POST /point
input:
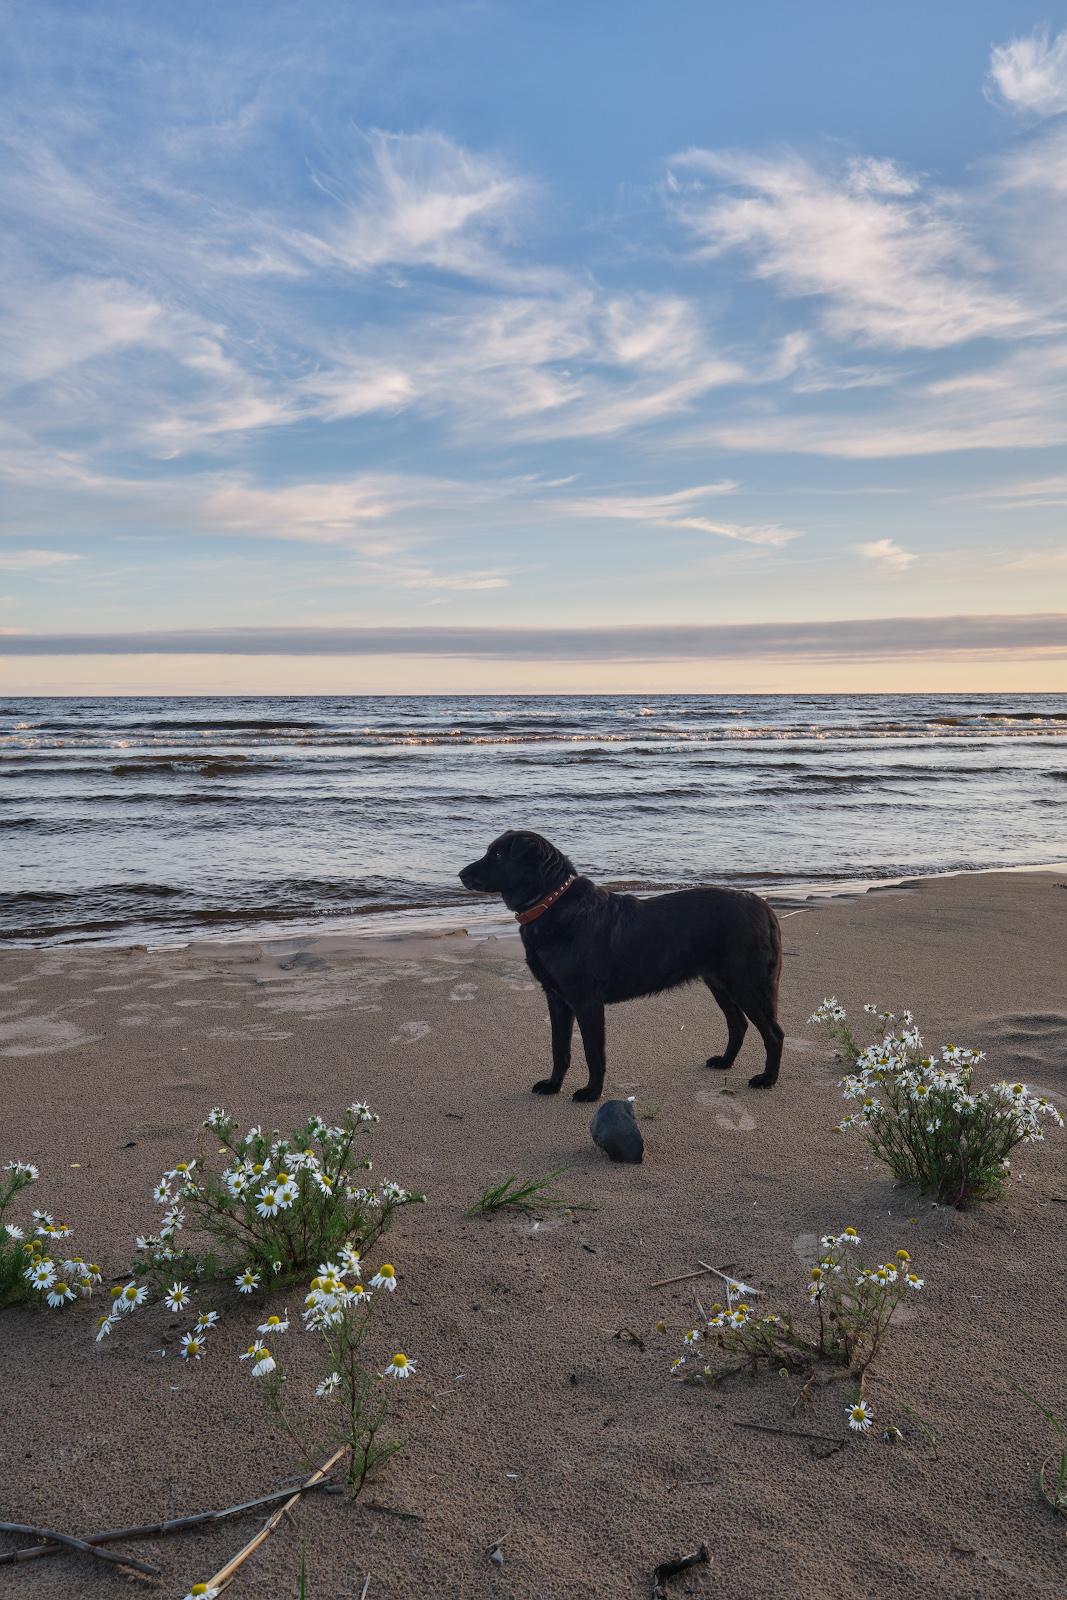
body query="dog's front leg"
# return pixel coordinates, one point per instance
(562, 1031)
(591, 1024)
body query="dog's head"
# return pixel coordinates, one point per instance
(520, 866)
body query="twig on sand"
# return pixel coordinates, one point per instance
(67, 1541)
(721, 1272)
(629, 1335)
(220, 1579)
(789, 1433)
(671, 1569)
(683, 1277)
(155, 1530)
(363, 1593)
(391, 1511)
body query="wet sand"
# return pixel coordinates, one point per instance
(528, 1417)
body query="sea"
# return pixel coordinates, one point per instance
(161, 820)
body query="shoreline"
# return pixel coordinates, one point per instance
(493, 921)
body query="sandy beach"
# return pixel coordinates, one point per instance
(528, 1417)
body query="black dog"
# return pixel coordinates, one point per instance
(589, 948)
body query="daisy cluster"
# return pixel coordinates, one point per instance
(275, 1204)
(922, 1114)
(36, 1262)
(849, 1309)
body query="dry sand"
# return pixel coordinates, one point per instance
(528, 1418)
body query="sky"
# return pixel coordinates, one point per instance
(516, 347)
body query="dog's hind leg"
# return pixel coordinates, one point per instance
(763, 1017)
(562, 1032)
(591, 1024)
(735, 1022)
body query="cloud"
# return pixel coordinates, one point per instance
(675, 510)
(1029, 75)
(868, 639)
(886, 555)
(1018, 403)
(416, 200)
(34, 560)
(892, 266)
(1049, 491)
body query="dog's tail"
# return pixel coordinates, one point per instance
(774, 954)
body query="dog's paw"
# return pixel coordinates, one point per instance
(545, 1086)
(718, 1063)
(588, 1093)
(762, 1081)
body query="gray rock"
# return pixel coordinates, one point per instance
(615, 1130)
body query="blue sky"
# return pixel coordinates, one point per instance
(527, 316)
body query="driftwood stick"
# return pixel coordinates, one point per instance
(67, 1541)
(789, 1433)
(220, 1579)
(683, 1277)
(392, 1511)
(720, 1272)
(157, 1530)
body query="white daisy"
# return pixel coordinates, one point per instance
(13, 1230)
(104, 1326)
(248, 1281)
(286, 1192)
(269, 1204)
(401, 1366)
(860, 1416)
(59, 1293)
(177, 1297)
(261, 1359)
(385, 1277)
(203, 1591)
(207, 1319)
(913, 1281)
(42, 1274)
(193, 1346)
(350, 1260)
(130, 1296)
(328, 1385)
(691, 1336)
(161, 1193)
(275, 1324)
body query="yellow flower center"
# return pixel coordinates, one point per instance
(400, 1360)
(62, 1288)
(850, 1233)
(902, 1255)
(816, 1273)
(386, 1271)
(129, 1293)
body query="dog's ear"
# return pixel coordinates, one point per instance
(550, 860)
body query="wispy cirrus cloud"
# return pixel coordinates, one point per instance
(677, 509)
(34, 560)
(1029, 74)
(886, 555)
(890, 264)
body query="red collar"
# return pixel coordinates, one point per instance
(542, 906)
